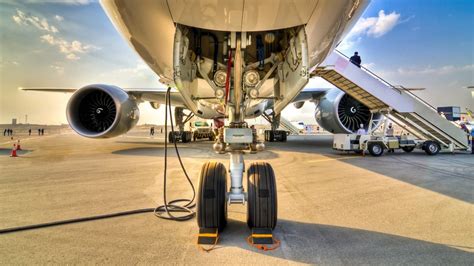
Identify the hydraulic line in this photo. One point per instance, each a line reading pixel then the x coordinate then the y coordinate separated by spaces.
pixel 227 78
pixel 260 52
pixel 163 211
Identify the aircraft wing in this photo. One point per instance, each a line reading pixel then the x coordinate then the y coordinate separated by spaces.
pixel 153 95
pixel 157 95
pixel 48 89
pixel 310 94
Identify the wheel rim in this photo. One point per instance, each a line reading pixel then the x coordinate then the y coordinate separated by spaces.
pixel 376 149
pixel 433 148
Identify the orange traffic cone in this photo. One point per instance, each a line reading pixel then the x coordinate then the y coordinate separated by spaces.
pixel 13 154
pixel 18 147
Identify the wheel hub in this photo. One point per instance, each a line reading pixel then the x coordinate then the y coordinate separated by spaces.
pixel 376 149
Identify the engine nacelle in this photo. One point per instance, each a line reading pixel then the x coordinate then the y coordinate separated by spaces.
pixel 338 112
pixel 102 111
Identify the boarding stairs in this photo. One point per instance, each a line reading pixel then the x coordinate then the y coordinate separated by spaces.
pixel 396 102
pixel 287 125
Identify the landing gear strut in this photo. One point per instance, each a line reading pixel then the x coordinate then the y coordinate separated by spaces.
pixel 274 134
pixel 180 120
pixel 236 140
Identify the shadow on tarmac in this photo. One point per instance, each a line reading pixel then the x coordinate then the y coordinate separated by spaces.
pixel 7 152
pixel 321 244
pixel 188 152
pixel 446 173
pixel 327 244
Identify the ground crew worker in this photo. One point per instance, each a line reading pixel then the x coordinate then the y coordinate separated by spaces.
pixel 390 134
pixel 39 131
pixel 390 130
pixel 4 132
pixel 42 131
pixel 355 59
pixel 29 132
pixel 361 130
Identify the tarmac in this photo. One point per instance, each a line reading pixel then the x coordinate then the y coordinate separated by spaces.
pixel 334 208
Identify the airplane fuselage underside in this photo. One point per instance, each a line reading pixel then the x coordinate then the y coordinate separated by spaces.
pixel 189 45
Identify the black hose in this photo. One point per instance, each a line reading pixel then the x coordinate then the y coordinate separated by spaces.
pixel 163 211
pixel 76 220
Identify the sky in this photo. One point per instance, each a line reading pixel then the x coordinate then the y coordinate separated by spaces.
pixel 71 43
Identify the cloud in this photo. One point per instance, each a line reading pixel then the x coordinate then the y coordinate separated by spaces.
pixel 72 57
pixel 348 43
pixel 443 70
pixel 369 65
pixel 141 70
pixel 132 75
pixel 376 26
pixel 59 69
pixel 70 49
pixel 22 18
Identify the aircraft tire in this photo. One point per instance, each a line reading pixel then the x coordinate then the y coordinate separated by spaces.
pixel 408 148
pixel 211 204
pixel 262 196
pixel 271 136
pixel 171 138
pixel 186 136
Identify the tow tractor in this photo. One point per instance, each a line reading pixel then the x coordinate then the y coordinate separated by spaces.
pixel 377 144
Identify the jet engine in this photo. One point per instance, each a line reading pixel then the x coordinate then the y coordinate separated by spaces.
pixel 102 111
pixel 338 112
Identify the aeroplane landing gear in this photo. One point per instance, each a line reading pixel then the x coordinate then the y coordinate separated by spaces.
pixel 181 119
pixel 275 135
pixel 237 140
pixel 183 136
pixel 261 198
pixel 261 195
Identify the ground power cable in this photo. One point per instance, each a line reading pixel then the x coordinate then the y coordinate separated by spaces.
pixel 164 211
